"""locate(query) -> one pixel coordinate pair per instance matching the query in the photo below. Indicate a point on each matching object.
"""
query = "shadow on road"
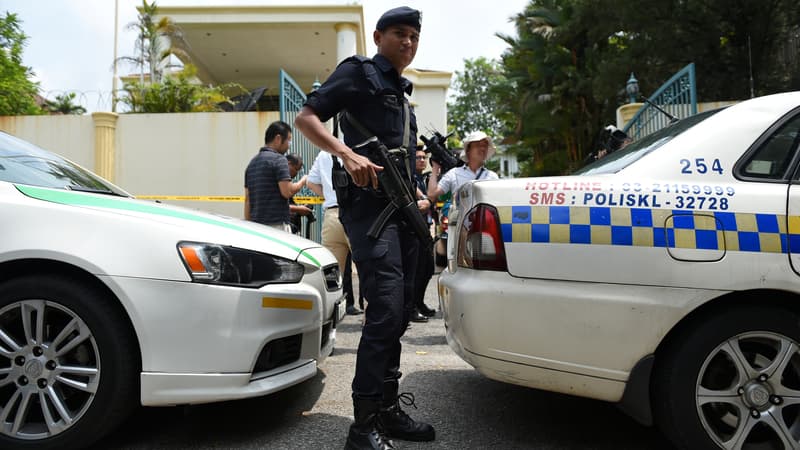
(471, 411)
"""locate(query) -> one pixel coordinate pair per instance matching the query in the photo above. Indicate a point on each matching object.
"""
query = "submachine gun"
(400, 194)
(436, 145)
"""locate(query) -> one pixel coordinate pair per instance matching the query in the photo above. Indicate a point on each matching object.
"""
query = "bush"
(175, 93)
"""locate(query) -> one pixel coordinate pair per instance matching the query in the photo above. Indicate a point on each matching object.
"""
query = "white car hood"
(185, 224)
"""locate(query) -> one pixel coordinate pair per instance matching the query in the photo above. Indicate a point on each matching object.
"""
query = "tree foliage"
(17, 91)
(156, 42)
(63, 104)
(476, 98)
(569, 62)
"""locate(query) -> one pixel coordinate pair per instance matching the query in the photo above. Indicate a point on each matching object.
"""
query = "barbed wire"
(92, 100)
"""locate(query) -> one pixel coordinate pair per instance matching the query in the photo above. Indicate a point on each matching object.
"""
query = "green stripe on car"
(127, 204)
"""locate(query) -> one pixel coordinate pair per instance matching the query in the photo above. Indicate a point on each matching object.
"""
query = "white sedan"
(107, 302)
(664, 277)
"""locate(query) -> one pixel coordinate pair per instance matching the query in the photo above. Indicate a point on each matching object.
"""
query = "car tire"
(68, 350)
(731, 378)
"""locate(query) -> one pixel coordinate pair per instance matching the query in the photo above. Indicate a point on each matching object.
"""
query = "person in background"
(333, 235)
(425, 267)
(296, 212)
(612, 139)
(370, 93)
(267, 182)
(478, 147)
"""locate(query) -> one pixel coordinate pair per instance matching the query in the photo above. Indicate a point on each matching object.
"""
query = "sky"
(70, 43)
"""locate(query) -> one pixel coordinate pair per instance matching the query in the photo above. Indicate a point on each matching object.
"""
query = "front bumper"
(167, 389)
(203, 343)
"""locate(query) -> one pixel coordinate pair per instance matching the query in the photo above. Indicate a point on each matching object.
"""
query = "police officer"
(371, 94)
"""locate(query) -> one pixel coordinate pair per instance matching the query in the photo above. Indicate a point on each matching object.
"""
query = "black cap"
(400, 16)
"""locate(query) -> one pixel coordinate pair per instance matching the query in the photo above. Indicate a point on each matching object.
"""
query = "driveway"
(468, 410)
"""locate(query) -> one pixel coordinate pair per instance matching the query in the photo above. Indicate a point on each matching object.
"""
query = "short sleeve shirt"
(265, 170)
(459, 176)
(376, 102)
(320, 173)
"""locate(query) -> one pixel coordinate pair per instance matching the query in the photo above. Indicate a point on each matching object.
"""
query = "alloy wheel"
(748, 392)
(49, 369)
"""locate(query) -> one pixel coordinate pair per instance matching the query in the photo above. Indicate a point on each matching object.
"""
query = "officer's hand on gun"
(361, 169)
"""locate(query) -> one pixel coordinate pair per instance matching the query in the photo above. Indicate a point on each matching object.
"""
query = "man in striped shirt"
(267, 182)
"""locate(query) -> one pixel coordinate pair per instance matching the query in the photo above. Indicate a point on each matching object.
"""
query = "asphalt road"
(468, 410)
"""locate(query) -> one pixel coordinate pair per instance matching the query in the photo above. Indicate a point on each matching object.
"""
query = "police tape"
(309, 200)
(305, 200)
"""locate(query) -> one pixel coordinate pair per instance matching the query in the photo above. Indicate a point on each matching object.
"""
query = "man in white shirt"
(333, 235)
(478, 147)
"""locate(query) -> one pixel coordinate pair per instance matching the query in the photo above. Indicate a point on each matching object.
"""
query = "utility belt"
(343, 182)
(394, 181)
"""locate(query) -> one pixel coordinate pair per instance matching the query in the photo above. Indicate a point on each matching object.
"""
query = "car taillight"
(480, 240)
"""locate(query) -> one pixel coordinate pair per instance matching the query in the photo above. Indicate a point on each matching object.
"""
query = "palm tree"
(156, 43)
(63, 104)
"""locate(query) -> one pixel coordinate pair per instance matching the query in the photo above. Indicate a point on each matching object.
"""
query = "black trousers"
(425, 270)
(347, 281)
(386, 268)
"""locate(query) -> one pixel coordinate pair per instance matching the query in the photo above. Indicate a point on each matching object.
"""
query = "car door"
(775, 160)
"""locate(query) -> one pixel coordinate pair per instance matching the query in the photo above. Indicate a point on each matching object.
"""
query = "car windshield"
(25, 163)
(636, 150)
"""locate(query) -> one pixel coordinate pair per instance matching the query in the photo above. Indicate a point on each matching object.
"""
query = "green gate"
(677, 98)
(291, 101)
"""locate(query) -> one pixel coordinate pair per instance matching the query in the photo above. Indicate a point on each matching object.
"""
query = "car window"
(25, 163)
(772, 159)
(618, 160)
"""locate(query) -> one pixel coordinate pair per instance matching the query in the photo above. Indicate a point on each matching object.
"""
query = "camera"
(613, 139)
(436, 145)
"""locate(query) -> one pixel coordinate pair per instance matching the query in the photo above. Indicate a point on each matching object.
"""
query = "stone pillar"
(105, 126)
(345, 40)
(626, 112)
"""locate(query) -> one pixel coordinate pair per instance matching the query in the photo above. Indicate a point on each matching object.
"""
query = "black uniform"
(374, 93)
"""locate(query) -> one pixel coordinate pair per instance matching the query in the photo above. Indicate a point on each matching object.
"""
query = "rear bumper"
(578, 338)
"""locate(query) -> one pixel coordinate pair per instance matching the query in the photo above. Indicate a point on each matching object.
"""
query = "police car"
(107, 302)
(664, 277)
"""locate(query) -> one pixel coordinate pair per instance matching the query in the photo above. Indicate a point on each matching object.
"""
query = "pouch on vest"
(341, 182)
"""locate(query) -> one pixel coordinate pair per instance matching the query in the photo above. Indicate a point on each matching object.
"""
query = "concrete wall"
(193, 154)
(431, 118)
(70, 136)
(429, 99)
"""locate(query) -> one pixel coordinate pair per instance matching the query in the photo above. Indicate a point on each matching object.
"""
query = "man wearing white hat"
(478, 147)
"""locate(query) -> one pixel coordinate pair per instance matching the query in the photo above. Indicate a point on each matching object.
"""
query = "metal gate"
(291, 101)
(677, 98)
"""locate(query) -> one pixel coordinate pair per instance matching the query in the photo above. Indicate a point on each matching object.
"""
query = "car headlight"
(333, 279)
(219, 264)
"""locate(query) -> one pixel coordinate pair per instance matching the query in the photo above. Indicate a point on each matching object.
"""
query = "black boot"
(363, 434)
(394, 422)
(425, 311)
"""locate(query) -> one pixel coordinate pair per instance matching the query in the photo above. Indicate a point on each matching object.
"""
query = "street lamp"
(316, 85)
(632, 88)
